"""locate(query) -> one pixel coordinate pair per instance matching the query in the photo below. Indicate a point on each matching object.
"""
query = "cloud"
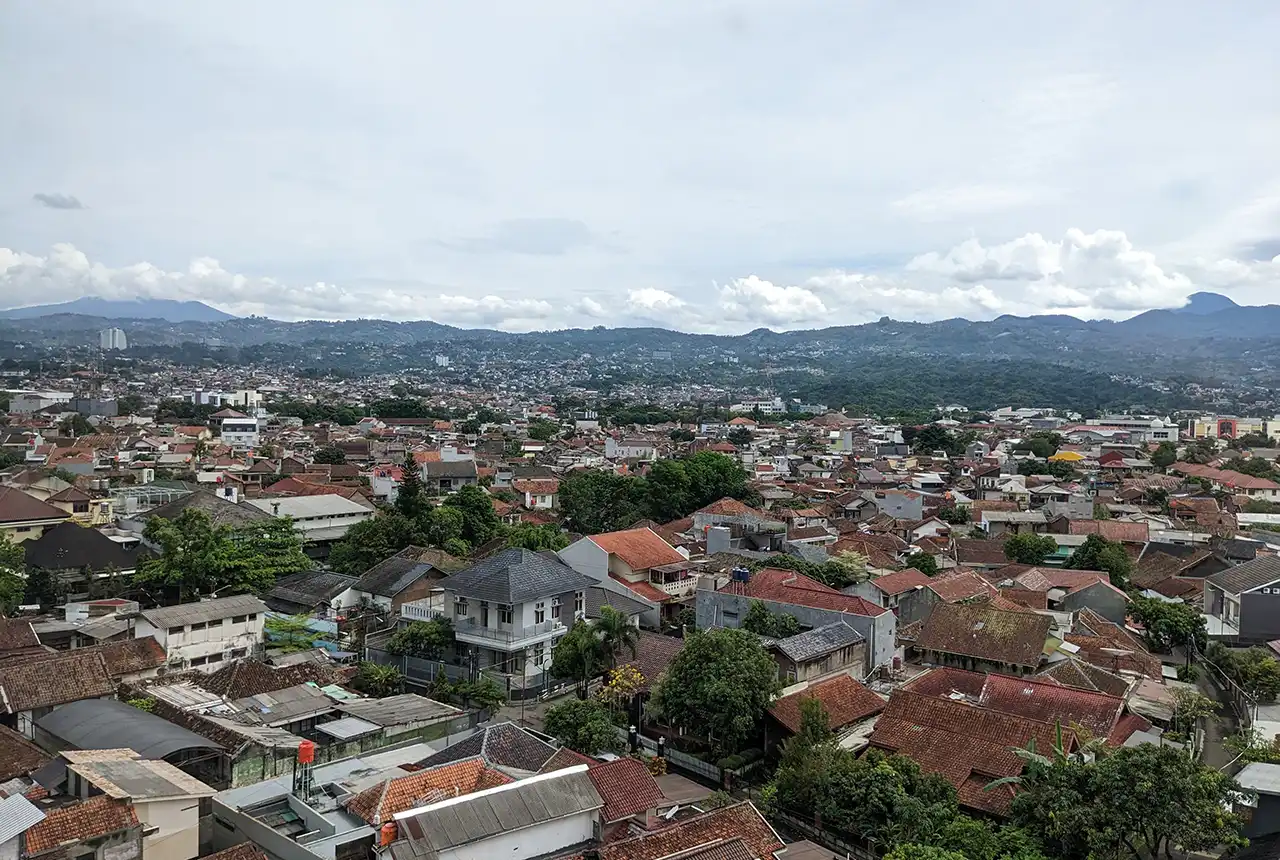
(752, 299)
(490, 310)
(587, 307)
(532, 236)
(942, 204)
(57, 201)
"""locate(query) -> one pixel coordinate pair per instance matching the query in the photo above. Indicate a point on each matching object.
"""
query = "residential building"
(112, 339)
(202, 635)
(637, 559)
(34, 688)
(84, 509)
(629, 449)
(320, 519)
(845, 701)
(889, 589)
(240, 431)
(74, 552)
(24, 517)
(510, 609)
(165, 800)
(540, 494)
(817, 653)
(441, 477)
(29, 402)
(764, 405)
(318, 593)
(100, 828)
(809, 601)
(1261, 807)
(409, 576)
(1242, 603)
(979, 637)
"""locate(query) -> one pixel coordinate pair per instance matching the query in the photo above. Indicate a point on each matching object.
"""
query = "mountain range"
(126, 309)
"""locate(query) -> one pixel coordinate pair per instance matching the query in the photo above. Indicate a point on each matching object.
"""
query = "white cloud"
(752, 299)
(942, 204)
(489, 310)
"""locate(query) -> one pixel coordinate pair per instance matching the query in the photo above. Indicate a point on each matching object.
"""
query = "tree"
(1253, 669)
(425, 639)
(1165, 455)
(593, 501)
(411, 495)
(583, 725)
(923, 562)
(668, 489)
(480, 522)
(580, 656)
(932, 438)
(291, 633)
(1098, 553)
(616, 634)
(680, 434)
(740, 436)
(916, 851)
(370, 541)
(1041, 444)
(1189, 708)
(542, 430)
(129, 404)
(1054, 468)
(774, 625)
(443, 524)
(13, 580)
(378, 681)
(956, 516)
(537, 538)
(1029, 548)
(1167, 625)
(75, 425)
(713, 477)
(851, 564)
(330, 454)
(720, 682)
(1142, 802)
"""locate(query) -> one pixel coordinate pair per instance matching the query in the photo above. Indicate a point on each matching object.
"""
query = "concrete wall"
(1259, 617)
(586, 558)
(177, 824)
(1102, 599)
(547, 837)
(880, 631)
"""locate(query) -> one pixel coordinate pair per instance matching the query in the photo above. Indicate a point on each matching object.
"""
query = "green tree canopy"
(1029, 548)
(480, 523)
(923, 562)
(720, 682)
(330, 454)
(1166, 625)
(370, 541)
(537, 537)
(1165, 455)
(1098, 553)
(774, 625)
(13, 580)
(425, 639)
(579, 656)
(585, 725)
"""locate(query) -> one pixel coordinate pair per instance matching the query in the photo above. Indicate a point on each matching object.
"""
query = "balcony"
(505, 637)
(428, 609)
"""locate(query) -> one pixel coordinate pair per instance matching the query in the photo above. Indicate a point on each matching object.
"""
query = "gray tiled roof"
(310, 587)
(1263, 570)
(598, 597)
(516, 576)
(818, 641)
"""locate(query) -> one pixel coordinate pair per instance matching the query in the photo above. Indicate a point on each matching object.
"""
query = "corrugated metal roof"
(16, 815)
(347, 728)
(204, 611)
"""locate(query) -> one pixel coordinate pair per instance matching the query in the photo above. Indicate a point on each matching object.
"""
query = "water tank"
(306, 752)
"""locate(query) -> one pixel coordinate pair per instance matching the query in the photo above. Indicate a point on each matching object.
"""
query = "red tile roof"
(944, 680)
(721, 826)
(1049, 702)
(961, 585)
(902, 580)
(537, 486)
(641, 549)
(787, 586)
(626, 787)
(565, 757)
(969, 746)
(1110, 529)
(844, 699)
(654, 653)
(382, 801)
(644, 589)
(94, 818)
(986, 633)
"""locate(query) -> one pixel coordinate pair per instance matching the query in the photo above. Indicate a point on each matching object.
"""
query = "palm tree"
(615, 633)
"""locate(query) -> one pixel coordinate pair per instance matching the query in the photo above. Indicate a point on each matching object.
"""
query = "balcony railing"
(508, 634)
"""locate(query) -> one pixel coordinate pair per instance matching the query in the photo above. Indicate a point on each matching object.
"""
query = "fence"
(846, 845)
(1243, 705)
(681, 761)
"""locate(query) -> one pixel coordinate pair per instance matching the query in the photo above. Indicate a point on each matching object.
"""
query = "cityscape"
(690, 431)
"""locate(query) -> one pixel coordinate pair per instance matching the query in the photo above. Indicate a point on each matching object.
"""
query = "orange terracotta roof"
(92, 819)
(641, 549)
(844, 699)
(787, 586)
(626, 787)
(380, 802)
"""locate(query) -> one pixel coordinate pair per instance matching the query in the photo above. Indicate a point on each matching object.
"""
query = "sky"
(698, 165)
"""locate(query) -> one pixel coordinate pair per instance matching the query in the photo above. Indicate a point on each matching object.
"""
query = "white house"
(237, 429)
(324, 517)
(202, 635)
(629, 449)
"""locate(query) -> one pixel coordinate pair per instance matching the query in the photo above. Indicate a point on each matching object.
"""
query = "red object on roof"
(787, 586)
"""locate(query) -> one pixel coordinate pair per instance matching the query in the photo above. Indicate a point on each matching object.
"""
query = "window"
(728, 617)
(484, 613)
(237, 619)
(580, 603)
(460, 607)
(555, 608)
(239, 652)
(539, 653)
(215, 658)
(80, 507)
(217, 622)
(504, 614)
(175, 631)
(253, 616)
(23, 529)
(199, 661)
(197, 626)
(539, 612)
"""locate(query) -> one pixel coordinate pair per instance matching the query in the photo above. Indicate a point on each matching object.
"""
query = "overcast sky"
(708, 166)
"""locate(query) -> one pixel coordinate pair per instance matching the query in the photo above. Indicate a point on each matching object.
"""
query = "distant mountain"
(129, 309)
(1201, 304)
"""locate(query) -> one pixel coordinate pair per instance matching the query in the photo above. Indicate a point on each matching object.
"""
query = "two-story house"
(202, 635)
(511, 608)
(539, 493)
(441, 477)
(629, 449)
(24, 517)
(1242, 603)
(84, 509)
(237, 429)
(637, 559)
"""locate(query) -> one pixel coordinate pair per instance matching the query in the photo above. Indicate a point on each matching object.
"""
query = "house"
(381, 802)
(202, 635)
(638, 560)
(441, 477)
(734, 832)
(1000, 524)
(1242, 603)
(320, 519)
(1261, 808)
(511, 609)
(34, 688)
(165, 800)
(102, 828)
(958, 586)
(816, 653)
(889, 589)
(629, 449)
(19, 757)
(220, 511)
(85, 510)
(845, 701)
(979, 637)
(410, 575)
(236, 429)
(320, 593)
(1067, 590)
(540, 494)
(812, 603)
(900, 504)
(24, 517)
(970, 746)
(979, 554)
(17, 816)
(71, 551)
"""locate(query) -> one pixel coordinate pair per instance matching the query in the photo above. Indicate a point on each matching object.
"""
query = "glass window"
(217, 622)
(539, 612)
(580, 603)
(237, 619)
(555, 608)
(197, 626)
(460, 607)
(174, 631)
(253, 616)
(504, 614)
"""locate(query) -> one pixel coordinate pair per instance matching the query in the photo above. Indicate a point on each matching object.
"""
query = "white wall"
(178, 828)
(544, 838)
(587, 558)
(189, 644)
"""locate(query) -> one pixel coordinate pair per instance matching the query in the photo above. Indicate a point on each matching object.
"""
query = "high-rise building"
(112, 338)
